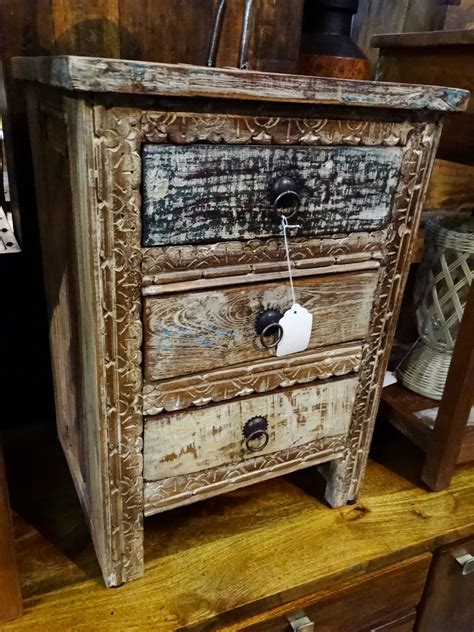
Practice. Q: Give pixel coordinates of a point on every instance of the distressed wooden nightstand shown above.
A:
(163, 252)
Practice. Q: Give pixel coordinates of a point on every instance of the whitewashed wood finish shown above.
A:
(189, 442)
(104, 143)
(94, 74)
(202, 331)
(208, 193)
(256, 377)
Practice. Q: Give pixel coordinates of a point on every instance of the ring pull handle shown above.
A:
(268, 328)
(285, 197)
(255, 433)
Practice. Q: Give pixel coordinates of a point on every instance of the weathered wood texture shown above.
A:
(203, 331)
(451, 187)
(189, 442)
(447, 603)
(206, 193)
(376, 601)
(234, 543)
(402, 16)
(10, 597)
(107, 173)
(255, 377)
(91, 369)
(437, 59)
(274, 39)
(92, 74)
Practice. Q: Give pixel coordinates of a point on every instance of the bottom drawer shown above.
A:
(203, 438)
(381, 600)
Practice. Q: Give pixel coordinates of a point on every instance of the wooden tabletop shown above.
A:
(245, 551)
(96, 74)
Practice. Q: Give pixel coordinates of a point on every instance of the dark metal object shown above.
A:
(326, 45)
(247, 23)
(216, 32)
(284, 196)
(245, 36)
(267, 324)
(255, 434)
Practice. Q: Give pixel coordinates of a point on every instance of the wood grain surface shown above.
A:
(94, 74)
(10, 597)
(219, 556)
(201, 331)
(206, 193)
(201, 439)
(373, 602)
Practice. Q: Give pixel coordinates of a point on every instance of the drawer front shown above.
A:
(205, 438)
(206, 193)
(203, 331)
(381, 600)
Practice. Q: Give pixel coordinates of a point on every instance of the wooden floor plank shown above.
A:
(252, 549)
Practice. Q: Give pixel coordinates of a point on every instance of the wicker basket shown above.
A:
(442, 286)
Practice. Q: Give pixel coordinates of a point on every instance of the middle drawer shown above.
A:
(187, 333)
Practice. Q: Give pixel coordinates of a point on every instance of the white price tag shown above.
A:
(296, 323)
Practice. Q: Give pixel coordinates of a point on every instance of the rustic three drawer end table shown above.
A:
(161, 191)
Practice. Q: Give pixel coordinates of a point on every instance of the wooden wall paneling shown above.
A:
(86, 27)
(10, 597)
(173, 31)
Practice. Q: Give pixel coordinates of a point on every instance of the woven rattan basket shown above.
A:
(442, 286)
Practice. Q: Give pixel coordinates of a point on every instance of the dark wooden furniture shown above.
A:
(448, 600)
(249, 561)
(432, 58)
(163, 248)
(10, 597)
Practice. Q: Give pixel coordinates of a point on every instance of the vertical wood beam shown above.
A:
(455, 407)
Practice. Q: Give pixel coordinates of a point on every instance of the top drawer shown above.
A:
(205, 193)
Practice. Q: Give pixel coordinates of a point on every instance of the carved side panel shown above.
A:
(347, 475)
(118, 171)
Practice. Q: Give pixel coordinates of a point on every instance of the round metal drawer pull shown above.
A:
(466, 561)
(285, 197)
(267, 324)
(271, 330)
(255, 433)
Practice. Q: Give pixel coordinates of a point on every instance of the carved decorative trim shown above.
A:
(116, 147)
(256, 255)
(172, 127)
(119, 133)
(216, 128)
(180, 490)
(418, 159)
(259, 377)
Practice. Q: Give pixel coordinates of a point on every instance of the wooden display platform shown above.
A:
(400, 405)
(227, 558)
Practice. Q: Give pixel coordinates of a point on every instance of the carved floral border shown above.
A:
(119, 134)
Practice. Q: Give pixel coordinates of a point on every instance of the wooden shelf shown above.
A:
(240, 554)
(400, 405)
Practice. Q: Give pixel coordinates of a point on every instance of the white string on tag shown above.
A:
(285, 226)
